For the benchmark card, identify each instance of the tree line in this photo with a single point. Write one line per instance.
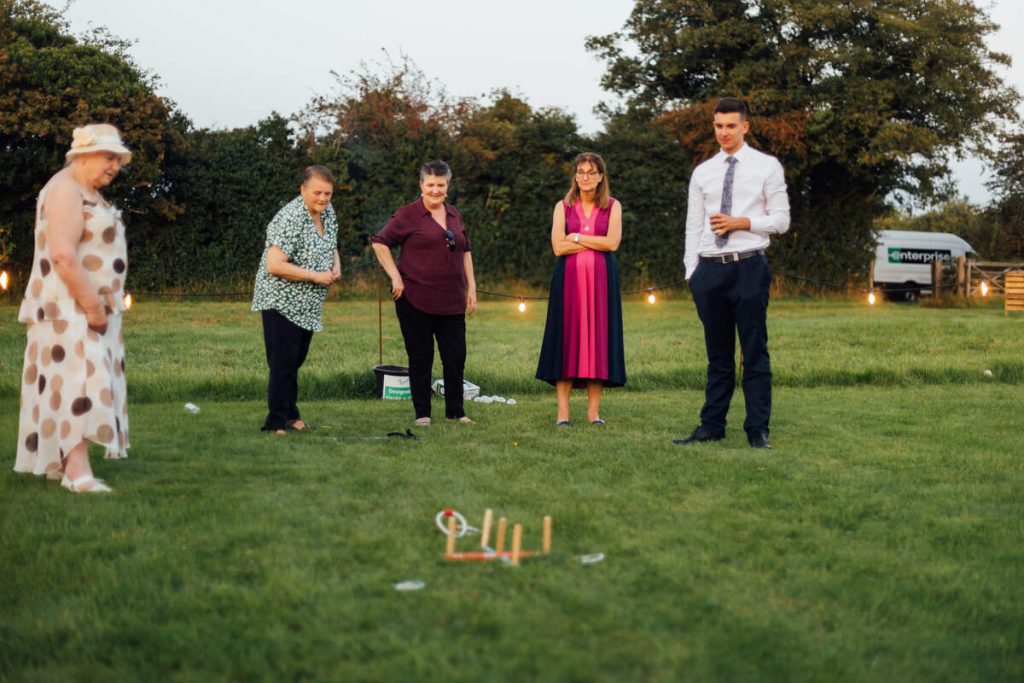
(863, 103)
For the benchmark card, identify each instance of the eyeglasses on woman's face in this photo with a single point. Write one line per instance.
(587, 174)
(449, 237)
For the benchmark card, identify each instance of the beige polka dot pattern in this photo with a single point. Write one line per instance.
(73, 388)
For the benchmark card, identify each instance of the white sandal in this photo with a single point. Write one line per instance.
(85, 484)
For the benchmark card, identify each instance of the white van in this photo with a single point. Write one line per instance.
(903, 260)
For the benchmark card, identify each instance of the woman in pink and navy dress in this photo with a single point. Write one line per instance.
(582, 344)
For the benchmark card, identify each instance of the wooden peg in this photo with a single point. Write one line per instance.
(517, 543)
(499, 542)
(545, 546)
(451, 536)
(485, 532)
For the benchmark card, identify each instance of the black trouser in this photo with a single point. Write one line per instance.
(419, 330)
(733, 297)
(287, 345)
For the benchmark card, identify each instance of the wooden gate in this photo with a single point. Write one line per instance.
(992, 273)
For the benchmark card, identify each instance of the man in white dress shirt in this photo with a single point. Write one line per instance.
(737, 201)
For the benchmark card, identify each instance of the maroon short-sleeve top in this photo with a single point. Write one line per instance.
(434, 275)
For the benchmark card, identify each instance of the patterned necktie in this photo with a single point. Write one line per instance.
(726, 208)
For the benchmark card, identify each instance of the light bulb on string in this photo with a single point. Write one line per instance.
(522, 304)
(871, 297)
(650, 296)
(127, 300)
(984, 288)
(4, 280)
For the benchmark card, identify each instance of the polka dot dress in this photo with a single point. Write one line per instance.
(73, 382)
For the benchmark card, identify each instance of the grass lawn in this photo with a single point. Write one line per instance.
(880, 540)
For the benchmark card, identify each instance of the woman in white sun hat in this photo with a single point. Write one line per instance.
(73, 383)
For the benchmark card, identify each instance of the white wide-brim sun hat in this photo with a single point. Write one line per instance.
(98, 137)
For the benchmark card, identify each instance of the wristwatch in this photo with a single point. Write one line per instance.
(576, 237)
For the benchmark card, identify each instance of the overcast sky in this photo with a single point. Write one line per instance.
(229, 63)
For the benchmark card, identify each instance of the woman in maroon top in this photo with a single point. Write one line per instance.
(433, 287)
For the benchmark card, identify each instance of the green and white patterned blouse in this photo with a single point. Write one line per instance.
(292, 231)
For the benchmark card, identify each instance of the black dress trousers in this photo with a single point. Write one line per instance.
(731, 298)
(419, 330)
(287, 345)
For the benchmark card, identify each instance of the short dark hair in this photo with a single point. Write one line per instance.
(728, 105)
(436, 168)
(321, 172)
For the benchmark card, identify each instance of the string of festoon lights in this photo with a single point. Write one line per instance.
(869, 292)
(521, 299)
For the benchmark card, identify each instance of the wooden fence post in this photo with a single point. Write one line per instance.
(936, 278)
(961, 269)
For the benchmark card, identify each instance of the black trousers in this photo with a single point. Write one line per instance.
(419, 330)
(731, 298)
(287, 345)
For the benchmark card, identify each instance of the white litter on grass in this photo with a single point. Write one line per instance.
(987, 373)
(192, 408)
(593, 558)
(413, 585)
(495, 399)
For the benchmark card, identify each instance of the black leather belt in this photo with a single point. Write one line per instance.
(732, 258)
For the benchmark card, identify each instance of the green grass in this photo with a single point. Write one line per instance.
(880, 539)
(188, 351)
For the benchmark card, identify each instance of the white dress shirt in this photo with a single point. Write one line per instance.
(758, 193)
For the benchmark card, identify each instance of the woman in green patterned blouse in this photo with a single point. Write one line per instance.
(300, 260)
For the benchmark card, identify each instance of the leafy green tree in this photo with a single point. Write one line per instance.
(510, 163)
(649, 171)
(232, 183)
(513, 164)
(51, 82)
(863, 102)
(1004, 232)
(381, 127)
(957, 216)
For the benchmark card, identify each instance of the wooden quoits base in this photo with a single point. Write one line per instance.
(486, 553)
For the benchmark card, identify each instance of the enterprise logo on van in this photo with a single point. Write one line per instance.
(921, 256)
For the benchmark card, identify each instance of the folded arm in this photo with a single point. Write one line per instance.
(560, 243)
(609, 242)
